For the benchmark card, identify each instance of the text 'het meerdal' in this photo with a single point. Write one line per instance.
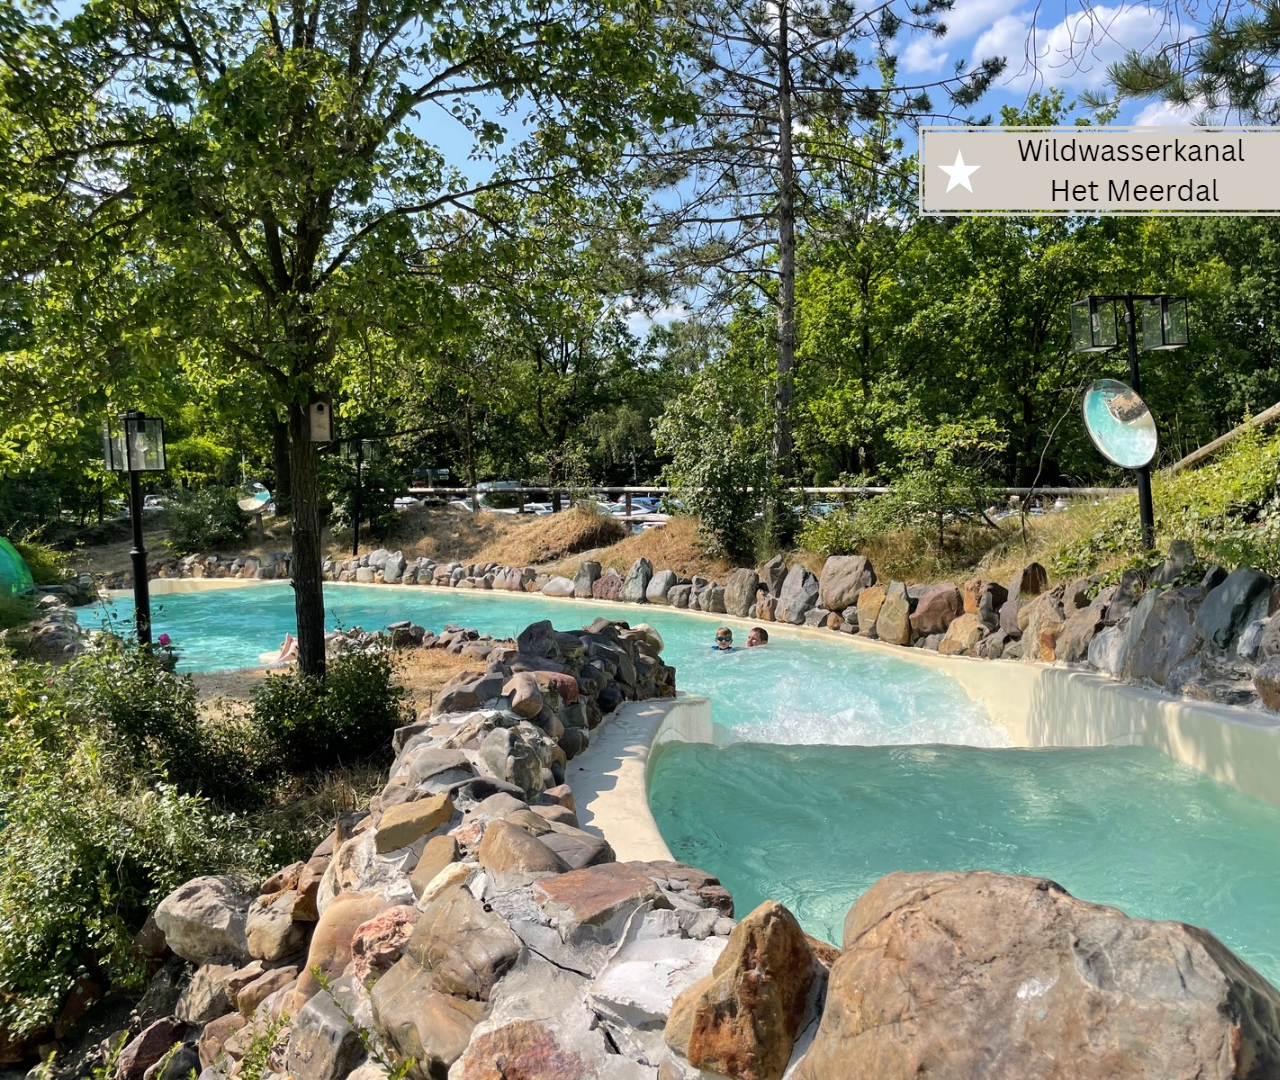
(1130, 170)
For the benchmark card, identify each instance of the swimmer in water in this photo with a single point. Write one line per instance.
(724, 639)
(758, 636)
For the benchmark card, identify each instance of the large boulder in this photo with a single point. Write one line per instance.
(843, 578)
(393, 568)
(588, 574)
(464, 946)
(937, 609)
(1227, 608)
(204, 920)
(741, 1021)
(323, 1044)
(636, 583)
(799, 594)
(331, 942)
(1042, 622)
(558, 586)
(1010, 978)
(1030, 581)
(1166, 634)
(538, 639)
(991, 599)
(408, 822)
(594, 903)
(608, 586)
(893, 623)
(740, 592)
(961, 636)
(870, 600)
(660, 585)
(773, 573)
(272, 931)
(1082, 624)
(1266, 681)
(146, 1048)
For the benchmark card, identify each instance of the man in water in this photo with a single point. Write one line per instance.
(724, 639)
(758, 636)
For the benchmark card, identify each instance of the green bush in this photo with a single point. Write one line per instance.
(348, 716)
(47, 565)
(205, 519)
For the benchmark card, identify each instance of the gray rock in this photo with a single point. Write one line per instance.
(1226, 609)
(740, 592)
(1008, 620)
(799, 594)
(184, 1061)
(659, 586)
(393, 568)
(1030, 581)
(1249, 647)
(323, 1045)
(508, 756)
(378, 559)
(1128, 591)
(1181, 557)
(990, 601)
(206, 996)
(711, 599)
(1106, 650)
(1213, 577)
(588, 574)
(816, 616)
(773, 573)
(679, 596)
(365, 574)
(538, 639)
(843, 578)
(1167, 634)
(204, 920)
(635, 584)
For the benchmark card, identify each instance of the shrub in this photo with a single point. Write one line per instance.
(350, 715)
(47, 565)
(200, 520)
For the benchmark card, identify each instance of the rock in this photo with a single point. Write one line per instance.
(712, 599)
(743, 1018)
(323, 1044)
(740, 592)
(607, 587)
(1266, 681)
(420, 1023)
(1044, 625)
(636, 582)
(578, 849)
(331, 942)
(1075, 597)
(1226, 609)
(678, 596)
(773, 573)
(379, 943)
(270, 927)
(523, 1050)
(509, 756)
(843, 578)
(282, 880)
(972, 590)
(439, 853)
(524, 694)
(393, 568)
(558, 586)
(1005, 978)
(991, 599)
(538, 639)
(204, 920)
(660, 585)
(963, 634)
(508, 849)
(1249, 644)
(588, 574)
(767, 609)
(1077, 634)
(799, 593)
(215, 1033)
(1165, 635)
(435, 771)
(1128, 592)
(1106, 650)
(206, 996)
(937, 609)
(1010, 623)
(148, 1047)
(1181, 557)
(592, 904)
(870, 600)
(1269, 644)
(266, 984)
(409, 822)
(1030, 581)
(464, 947)
(893, 623)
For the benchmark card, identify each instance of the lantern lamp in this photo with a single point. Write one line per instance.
(1093, 325)
(1165, 324)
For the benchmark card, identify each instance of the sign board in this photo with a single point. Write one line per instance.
(1096, 170)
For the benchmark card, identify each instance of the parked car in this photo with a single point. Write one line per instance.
(154, 502)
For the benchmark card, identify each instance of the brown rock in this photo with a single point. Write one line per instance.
(562, 814)
(767, 609)
(419, 1022)
(526, 698)
(893, 623)
(1031, 580)
(559, 683)
(834, 619)
(607, 587)
(282, 880)
(309, 888)
(331, 943)
(215, 1033)
(402, 825)
(524, 1050)
(973, 595)
(596, 896)
(1010, 978)
(937, 609)
(380, 942)
(842, 579)
(1266, 681)
(465, 948)
(271, 929)
(147, 1048)
(439, 853)
(870, 600)
(963, 634)
(263, 987)
(743, 1018)
(1042, 627)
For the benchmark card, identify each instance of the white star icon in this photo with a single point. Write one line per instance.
(959, 172)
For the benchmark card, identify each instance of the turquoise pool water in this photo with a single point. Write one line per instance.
(813, 826)
(836, 775)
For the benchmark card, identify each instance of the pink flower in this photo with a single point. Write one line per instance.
(165, 640)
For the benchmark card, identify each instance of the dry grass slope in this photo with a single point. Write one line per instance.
(676, 546)
(534, 541)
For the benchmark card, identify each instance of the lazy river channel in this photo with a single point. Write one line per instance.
(845, 763)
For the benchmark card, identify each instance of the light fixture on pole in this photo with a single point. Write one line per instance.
(136, 448)
(1165, 325)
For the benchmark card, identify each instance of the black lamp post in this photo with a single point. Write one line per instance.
(1165, 325)
(137, 448)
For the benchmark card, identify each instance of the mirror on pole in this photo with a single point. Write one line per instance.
(1120, 424)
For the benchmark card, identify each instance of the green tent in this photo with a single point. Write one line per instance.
(15, 578)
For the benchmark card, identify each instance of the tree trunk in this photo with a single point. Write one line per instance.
(785, 385)
(308, 585)
(280, 465)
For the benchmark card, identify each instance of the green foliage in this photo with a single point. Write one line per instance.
(48, 566)
(350, 715)
(381, 480)
(15, 610)
(204, 520)
(91, 841)
(255, 1065)
(1229, 510)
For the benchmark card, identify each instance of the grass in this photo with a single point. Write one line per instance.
(553, 537)
(676, 546)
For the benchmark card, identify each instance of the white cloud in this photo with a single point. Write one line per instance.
(920, 56)
(1162, 114)
(970, 16)
(1007, 37)
(1077, 51)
